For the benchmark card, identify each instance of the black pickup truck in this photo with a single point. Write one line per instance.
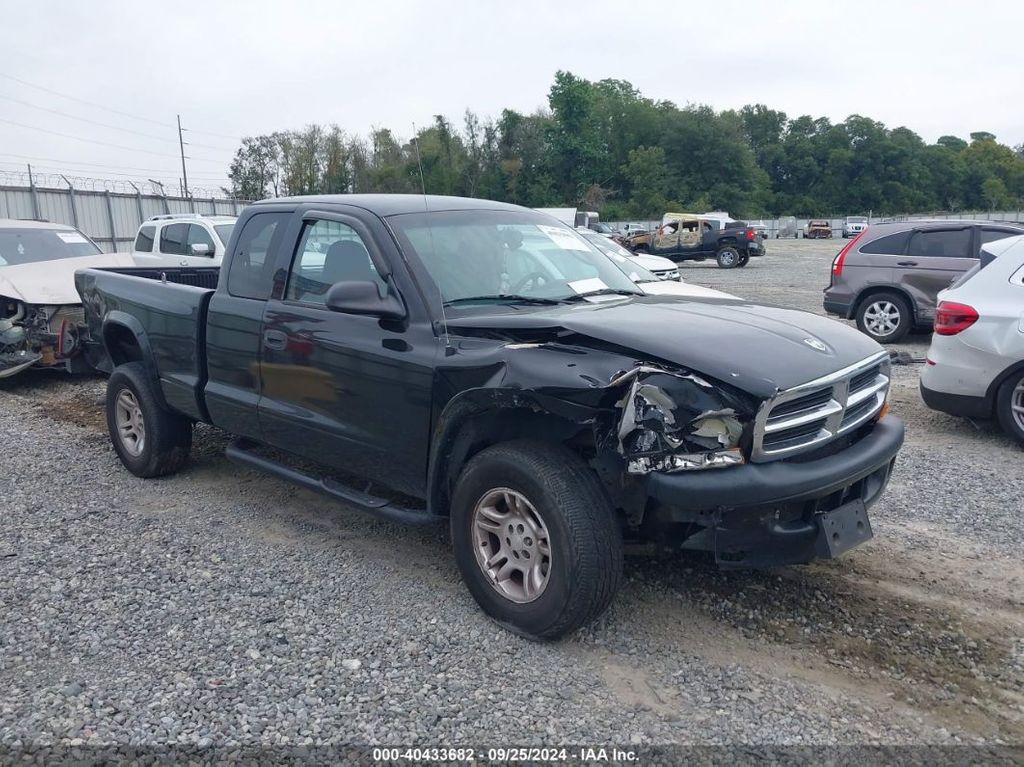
(730, 243)
(462, 359)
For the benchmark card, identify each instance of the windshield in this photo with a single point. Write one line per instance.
(29, 246)
(621, 257)
(857, 219)
(490, 255)
(224, 231)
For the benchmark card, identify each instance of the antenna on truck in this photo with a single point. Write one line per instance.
(430, 233)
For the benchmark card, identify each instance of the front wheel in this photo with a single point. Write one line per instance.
(728, 258)
(149, 440)
(535, 538)
(1010, 406)
(886, 317)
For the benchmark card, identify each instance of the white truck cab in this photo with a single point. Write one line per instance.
(184, 239)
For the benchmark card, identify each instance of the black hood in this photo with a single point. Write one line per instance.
(758, 349)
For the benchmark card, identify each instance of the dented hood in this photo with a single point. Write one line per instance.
(759, 349)
(53, 282)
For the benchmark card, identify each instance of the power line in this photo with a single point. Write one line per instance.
(56, 171)
(108, 109)
(66, 163)
(106, 125)
(75, 164)
(103, 143)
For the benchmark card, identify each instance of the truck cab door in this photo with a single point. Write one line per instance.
(666, 238)
(689, 237)
(234, 324)
(349, 391)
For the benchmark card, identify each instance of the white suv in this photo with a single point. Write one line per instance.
(182, 240)
(975, 366)
(854, 225)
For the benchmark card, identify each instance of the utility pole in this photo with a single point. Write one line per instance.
(181, 145)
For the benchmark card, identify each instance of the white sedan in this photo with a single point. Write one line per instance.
(975, 366)
(662, 268)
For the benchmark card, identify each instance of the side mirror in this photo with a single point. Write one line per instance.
(363, 298)
(200, 249)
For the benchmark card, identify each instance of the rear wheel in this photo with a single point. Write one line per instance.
(149, 440)
(886, 317)
(1010, 406)
(728, 258)
(535, 538)
(744, 260)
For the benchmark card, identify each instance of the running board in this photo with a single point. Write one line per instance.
(240, 451)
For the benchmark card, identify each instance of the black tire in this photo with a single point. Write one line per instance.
(744, 260)
(728, 257)
(1007, 398)
(641, 250)
(584, 537)
(873, 306)
(167, 436)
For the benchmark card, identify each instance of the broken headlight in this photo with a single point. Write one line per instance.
(677, 422)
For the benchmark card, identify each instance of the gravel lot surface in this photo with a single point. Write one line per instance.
(224, 607)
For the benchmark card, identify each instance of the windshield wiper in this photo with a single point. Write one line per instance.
(605, 292)
(503, 299)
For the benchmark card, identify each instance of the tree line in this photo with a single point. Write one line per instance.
(603, 146)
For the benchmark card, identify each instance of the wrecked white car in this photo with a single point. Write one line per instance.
(40, 311)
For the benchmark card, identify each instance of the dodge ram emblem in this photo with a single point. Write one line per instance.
(814, 343)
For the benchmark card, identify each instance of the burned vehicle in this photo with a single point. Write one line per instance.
(476, 362)
(40, 312)
(818, 229)
(690, 238)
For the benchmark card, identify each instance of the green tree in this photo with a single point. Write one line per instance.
(255, 169)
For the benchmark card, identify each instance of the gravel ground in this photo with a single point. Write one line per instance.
(222, 607)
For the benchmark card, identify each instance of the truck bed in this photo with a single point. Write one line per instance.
(165, 309)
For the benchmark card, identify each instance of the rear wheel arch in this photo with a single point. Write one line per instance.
(482, 418)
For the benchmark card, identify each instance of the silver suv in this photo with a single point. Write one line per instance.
(887, 277)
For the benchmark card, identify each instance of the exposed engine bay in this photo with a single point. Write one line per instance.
(38, 336)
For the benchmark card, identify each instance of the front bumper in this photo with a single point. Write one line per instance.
(770, 514)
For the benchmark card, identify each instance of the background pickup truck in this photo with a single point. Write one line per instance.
(695, 239)
(483, 363)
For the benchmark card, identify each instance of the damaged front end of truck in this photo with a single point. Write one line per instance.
(38, 336)
(677, 450)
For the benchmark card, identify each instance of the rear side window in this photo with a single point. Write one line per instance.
(172, 239)
(991, 235)
(251, 272)
(891, 245)
(941, 243)
(144, 240)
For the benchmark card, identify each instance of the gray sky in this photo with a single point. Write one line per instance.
(242, 68)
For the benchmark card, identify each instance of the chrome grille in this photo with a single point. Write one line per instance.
(809, 415)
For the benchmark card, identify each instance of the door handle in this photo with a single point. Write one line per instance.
(275, 339)
(906, 263)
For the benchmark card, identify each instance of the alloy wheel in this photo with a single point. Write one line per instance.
(131, 428)
(882, 318)
(512, 545)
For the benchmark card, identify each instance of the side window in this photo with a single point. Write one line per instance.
(328, 252)
(251, 272)
(941, 243)
(991, 235)
(892, 245)
(172, 239)
(197, 235)
(144, 240)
